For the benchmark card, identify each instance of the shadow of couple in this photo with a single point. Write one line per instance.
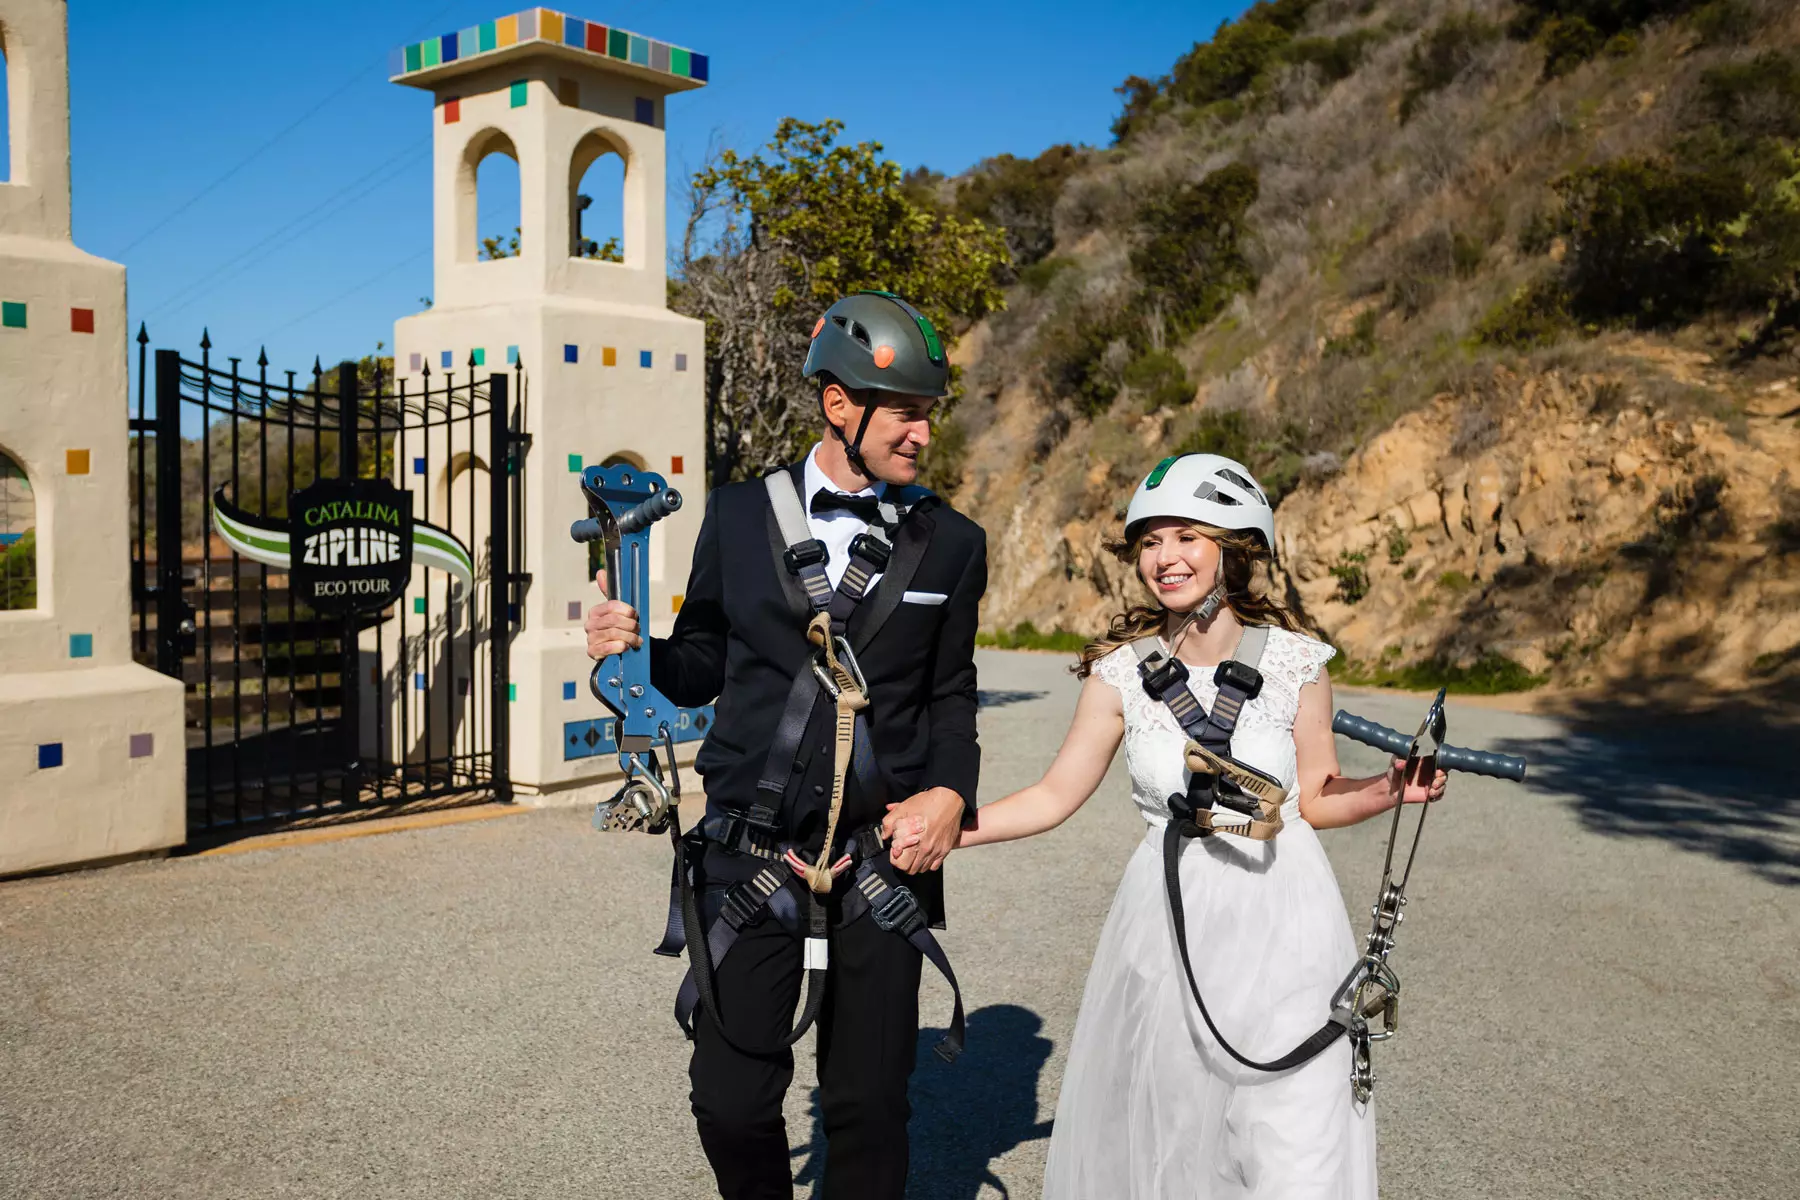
(965, 1114)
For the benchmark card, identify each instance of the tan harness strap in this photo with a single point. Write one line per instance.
(850, 701)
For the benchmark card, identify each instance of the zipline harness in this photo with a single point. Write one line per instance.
(786, 887)
(1371, 987)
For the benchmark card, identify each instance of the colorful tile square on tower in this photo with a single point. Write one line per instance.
(546, 25)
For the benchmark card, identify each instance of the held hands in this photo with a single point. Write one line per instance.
(612, 626)
(1416, 790)
(923, 830)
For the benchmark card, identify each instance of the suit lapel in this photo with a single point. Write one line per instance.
(910, 544)
(790, 584)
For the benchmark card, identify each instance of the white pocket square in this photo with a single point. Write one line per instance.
(923, 597)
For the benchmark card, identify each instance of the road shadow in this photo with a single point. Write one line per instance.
(967, 1113)
(1717, 782)
(1000, 698)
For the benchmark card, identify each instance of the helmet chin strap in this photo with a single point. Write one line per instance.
(853, 446)
(1205, 611)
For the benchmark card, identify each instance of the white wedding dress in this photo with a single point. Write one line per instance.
(1151, 1108)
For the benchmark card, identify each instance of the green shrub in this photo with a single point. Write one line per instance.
(1160, 378)
(1755, 99)
(1620, 45)
(1360, 341)
(1026, 636)
(1489, 675)
(1441, 55)
(1072, 349)
(1455, 581)
(1192, 256)
(1039, 275)
(1535, 315)
(18, 573)
(1648, 239)
(1226, 433)
(1019, 195)
(1214, 72)
(1352, 575)
(1336, 58)
(1397, 544)
(1725, 21)
(1568, 42)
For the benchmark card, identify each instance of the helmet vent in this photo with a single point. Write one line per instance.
(1207, 491)
(1247, 485)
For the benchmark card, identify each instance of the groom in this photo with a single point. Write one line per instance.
(903, 574)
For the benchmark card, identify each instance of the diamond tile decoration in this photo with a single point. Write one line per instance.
(681, 362)
(480, 356)
(49, 755)
(452, 110)
(643, 358)
(575, 462)
(574, 610)
(81, 645)
(570, 354)
(593, 738)
(512, 354)
(143, 745)
(419, 605)
(81, 320)
(12, 314)
(512, 693)
(418, 466)
(547, 25)
(78, 461)
(675, 464)
(444, 360)
(644, 111)
(417, 360)
(418, 681)
(609, 356)
(519, 93)
(568, 689)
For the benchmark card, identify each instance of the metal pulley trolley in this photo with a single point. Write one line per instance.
(623, 503)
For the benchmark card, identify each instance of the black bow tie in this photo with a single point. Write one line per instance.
(867, 507)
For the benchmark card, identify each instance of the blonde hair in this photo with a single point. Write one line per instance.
(1240, 556)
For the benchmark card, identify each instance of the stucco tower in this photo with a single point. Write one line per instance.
(611, 373)
(91, 751)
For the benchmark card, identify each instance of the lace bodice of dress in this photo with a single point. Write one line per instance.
(1265, 731)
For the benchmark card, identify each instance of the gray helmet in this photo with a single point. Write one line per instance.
(875, 341)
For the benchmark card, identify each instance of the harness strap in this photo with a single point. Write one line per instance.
(849, 701)
(1335, 1027)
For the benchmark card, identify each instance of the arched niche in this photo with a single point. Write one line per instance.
(601, 170)
(18, 537)
(461, 501)
(472, 224)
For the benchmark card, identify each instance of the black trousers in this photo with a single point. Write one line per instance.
(868, 1033)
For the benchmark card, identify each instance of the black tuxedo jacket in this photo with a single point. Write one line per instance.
(741, 638)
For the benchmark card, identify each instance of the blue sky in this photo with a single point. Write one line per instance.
(257, 174)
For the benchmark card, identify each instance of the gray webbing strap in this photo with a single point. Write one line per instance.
(790, 516)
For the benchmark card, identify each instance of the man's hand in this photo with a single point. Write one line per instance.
(612, 626)
(942, 812)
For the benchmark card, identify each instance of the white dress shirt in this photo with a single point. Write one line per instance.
(837, 528)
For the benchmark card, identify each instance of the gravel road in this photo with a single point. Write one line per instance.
(1602, 994)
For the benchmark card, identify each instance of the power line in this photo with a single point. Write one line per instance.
(298, 225)
(371, 281)
(264, 148)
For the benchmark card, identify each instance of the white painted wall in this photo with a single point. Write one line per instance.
(69, 692)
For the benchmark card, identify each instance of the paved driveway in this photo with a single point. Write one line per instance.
(1602, 977)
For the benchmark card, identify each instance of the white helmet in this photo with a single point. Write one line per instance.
(1206, 488)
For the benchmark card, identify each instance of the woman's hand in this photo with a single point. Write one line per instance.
(1416, 790)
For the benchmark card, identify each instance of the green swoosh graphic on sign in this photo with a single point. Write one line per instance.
(244, 534)
(435, 547)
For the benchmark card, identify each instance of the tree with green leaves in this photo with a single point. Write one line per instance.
(774, 237)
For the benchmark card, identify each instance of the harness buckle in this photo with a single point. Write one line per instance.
(1232, 673)
(741, 906)
(877, 550)
(898, 912)
(804, 554)
(1171, 672)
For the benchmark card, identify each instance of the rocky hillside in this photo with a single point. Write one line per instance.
(1499, 298)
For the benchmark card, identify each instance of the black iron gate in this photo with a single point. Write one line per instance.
(292, 716)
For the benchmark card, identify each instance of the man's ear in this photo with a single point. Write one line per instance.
(836, 402)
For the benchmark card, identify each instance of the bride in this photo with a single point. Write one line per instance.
(1151, 1107)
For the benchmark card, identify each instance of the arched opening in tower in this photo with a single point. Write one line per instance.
(497, 198)
(597, 200)
(18, 537)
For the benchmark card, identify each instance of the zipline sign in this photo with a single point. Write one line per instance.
(351, 542)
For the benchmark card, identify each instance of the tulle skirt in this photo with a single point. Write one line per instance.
(1151, 1108)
